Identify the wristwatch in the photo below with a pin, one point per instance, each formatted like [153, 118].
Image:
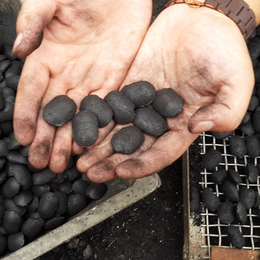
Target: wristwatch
[236, 10]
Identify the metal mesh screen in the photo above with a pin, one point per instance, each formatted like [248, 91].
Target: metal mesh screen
[214, 231]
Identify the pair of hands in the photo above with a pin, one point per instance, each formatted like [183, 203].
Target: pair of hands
[95, 47]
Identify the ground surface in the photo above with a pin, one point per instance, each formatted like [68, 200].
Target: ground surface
[151, 229]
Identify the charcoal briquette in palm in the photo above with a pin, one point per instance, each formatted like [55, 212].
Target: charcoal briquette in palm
[211, 159]
[11, 222]
[237, 146]
[194, 199]
[23, 198]
[167, 102]
[54, 222]
[24, 150]
[65, 186]
[222, 136]
[32, 227]
[12, 144]
[141, 93]
[252, 146]
[12, 81]
[39, 190]
[85, 128]
[4, 65]
[234, 176]
[247, 196]
[42, 177]
[235, 237]
[9, 204]
[230, 190]
[73, 173]
[251, 172]
[122, 106]
[150, 121]
[7, 113]
[33, 204]
[257, 200]
[10, 188]
[76, 203]
[219, 176]
[48, 205]
[15, 241]
[62, 204]
[96, 191]
[99, 107]
[241, 212]
[127, 140]
[226, 212]
[7, 127]
[60, 177]
[210, 199]
[59, 110]
[80, 186]
[3, 243]
[247, 128]
[21, 174]
[3, 148]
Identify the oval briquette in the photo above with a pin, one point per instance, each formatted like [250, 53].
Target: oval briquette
[230, 190]
[235, 237]
[127, 140]
[150, 122]
[211, 159]
[219, 176]
[11, 222]
[247, 196]
[237, 146]
[16, 157]
[76, 203]
[142, 93]
[251, 172]
[241, 212]
[96, 191]
[167, 102]
[122, 106]
[85, 128]
[80, 186]
[210, 199]
[99, 107]
[252, 146]
[23, 198]
[54, 222]
[59, 110]
[42, 177]
[48, 204]
[15, 241]
[226, 212]
[21, 174]
[32, 227]
[39, 190]
[10, 188]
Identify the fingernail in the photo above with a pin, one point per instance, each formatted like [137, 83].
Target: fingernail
[18, 41]
[202, 126]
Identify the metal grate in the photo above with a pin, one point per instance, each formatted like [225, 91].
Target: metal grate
[215, 232]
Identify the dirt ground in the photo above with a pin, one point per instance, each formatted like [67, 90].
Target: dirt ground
[151, 229]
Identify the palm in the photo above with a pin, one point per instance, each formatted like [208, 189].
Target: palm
[210, 68]
[88, 47]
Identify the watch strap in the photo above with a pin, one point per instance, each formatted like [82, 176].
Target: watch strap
[236, 10]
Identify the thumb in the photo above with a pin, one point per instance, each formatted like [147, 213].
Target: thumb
[32, 19]
[223, 115]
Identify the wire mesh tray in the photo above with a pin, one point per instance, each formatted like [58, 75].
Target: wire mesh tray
[210, 232]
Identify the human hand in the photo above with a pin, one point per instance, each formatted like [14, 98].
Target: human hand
[75, 48]
[202, 55]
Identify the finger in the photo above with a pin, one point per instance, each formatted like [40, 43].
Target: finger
[106, 169]
[61, 149]
[165, 151]
[98, 152]
[225, 114]
[32, 19]
[30, 91]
